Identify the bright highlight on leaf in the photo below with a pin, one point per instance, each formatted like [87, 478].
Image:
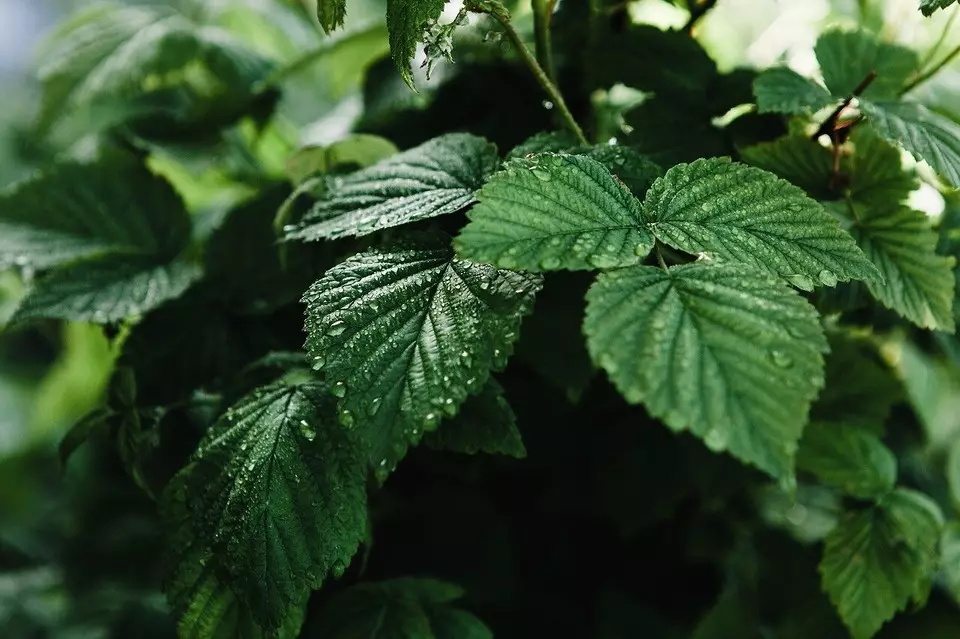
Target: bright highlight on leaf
[555, 211]
[879, 559]
[849, 458]
[436, 178]
[278, 493]
[727, 352]
[116, 230]
[919, 283]
[405, 334]
[749, 215]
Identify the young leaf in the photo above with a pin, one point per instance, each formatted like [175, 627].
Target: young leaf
[848, 458]
[749, 215]
[727, 352]
[878, 559]
[485, 424]
[399, 609]
[331, 13]
[919, 283]
[847, 57]
[925, 134]
[555, 211]
[407, 20]
[927, 7]
[408, 333]
[278, 493]
[436, 178]
[783, 90]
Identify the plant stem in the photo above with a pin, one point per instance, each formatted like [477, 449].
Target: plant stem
[542, 15]
[697, 12]
[932, 71]
[536, 69]
[932, 52]
[830, 123]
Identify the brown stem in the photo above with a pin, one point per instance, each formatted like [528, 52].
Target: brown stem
[831, 122]
[697, 12]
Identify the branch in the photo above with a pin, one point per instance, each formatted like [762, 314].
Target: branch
[542, 15]
[926, 75]
[697, 11]
[497, 10]
[830, 123]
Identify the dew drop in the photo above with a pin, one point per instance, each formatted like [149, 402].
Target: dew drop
[547, 104]
[346, 418]
[373, 406]
[781, 359]
[827, 278]
[603, 261]
[339, 389]
[541, 174]
[338, 568]
[307, 430]
[716, 439]
[550, 263]
[641, 250]
[506, 261]
[337, 328]
[429, 421]
[319, 361]
[251, 465]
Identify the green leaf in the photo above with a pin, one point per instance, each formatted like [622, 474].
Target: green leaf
[927, 7]
[848, 458]
[919, 283]
[141, 63]
[879, 558]
[749, 215]
[669, 132]
[433, 179]
[926, 135]
[404, 608]
[278, 493]
[628, 165]
[798, 160]
[118, 229]
[407, 333]
[555, 211]
[356, 151]
[950, 559]
[407, 21]
[106, 290]
[76, 210]
[847, 57]
[206, 608]
[783, 90]
[875, 174]
[725, 351]
[485, 424]
[546, 142]
[331, 13]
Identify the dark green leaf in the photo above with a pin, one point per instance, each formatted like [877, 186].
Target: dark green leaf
[451, 623]
[628, 165]
[919, 283]
[331, 13]
[783, 90]
[848, 458]
[749, 215]
[546, 142]
[797, 159]
[407, 21]
[669, 132]
[879, 558]
[407, 333]
[875, 174]
[555, 211]
[485, 424]
[925, 134]
[927, 7]
[278, 493]
[727, 352]
[435, 178]
[847, 57]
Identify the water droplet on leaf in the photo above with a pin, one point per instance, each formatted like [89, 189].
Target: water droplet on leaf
[781, 359]
[340, 389]
[337, 328]
[827, 278]
[716, 439]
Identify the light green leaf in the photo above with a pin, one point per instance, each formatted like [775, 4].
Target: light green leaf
[143, 62]
[925, 134]
[358, 150]
[927, 7]
[878, 559]
[331, 14]
[847, 57]
[278, 493]
[407, 333]
[106, 290]
[797, 159]
[725, 351]
[555, 211]
[88, 209]
[205, 607]
[876, 177]
[436, 178]
[485, 424]
[749, 215]
[783, 90]
[919, 283]
[407, 20]
[404, 608]
[848, 458]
